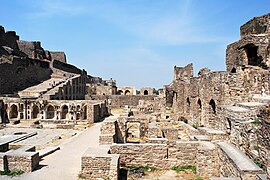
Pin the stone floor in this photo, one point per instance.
(44, 137)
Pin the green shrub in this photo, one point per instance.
(81, 176)
(183, 119)
(184, 168)
(195, 126)
(256, 121)
(12, 173)
(144, 168)
(198, 178)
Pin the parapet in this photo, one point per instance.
(60, 56)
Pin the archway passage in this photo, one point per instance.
(213, 105)
(252, 55)
(127, 92)
(120, 92)
(50, 112)
(145, 92)
(233, 70)
(199, 104)
(78, 116)
(13, 112)
(188, 102)
(35, 111)
(64, 112)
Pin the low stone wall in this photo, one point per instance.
(152, 155)
(170, 133)
(26, 162)
(65, 126)
(121, 100)
(164, 156)
(207, 160)
(96, 112)
(108, 131)
(100, 166)
(106, 139)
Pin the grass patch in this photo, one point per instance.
(12, 173)
(81, 176)
(256, 121)
(198, 178)
(184, 168)
(196, 126)
(144, 168)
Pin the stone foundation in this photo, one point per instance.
(100, 166)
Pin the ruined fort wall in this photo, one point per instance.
(66, 67)
(8, 38)
(22, 73)
(121, 100)
(257, 25)
(198, 99)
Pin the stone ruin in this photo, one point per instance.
(217, 121)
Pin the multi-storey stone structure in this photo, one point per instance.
(40, 85)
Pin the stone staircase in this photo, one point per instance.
(40, 89)
(46, 89)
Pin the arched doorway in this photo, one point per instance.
(213, 105)
(85, 112)
(50, 112)
(64, 112)
(127, 92)
(13, 113)
(145, 92)
(35, 111)
(78, 116)
(120, 92)
(233, 70)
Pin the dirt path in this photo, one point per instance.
(65, 164)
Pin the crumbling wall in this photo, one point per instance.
(100, 166)
(257, 25)
(183, 72)
(60, 56)
(22, 73)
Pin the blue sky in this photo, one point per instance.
(136, 42)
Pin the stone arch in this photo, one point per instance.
(233, 70)
(13, 113)
(78, 116)
(85, 112)
(35, 111)
(127, 92)
(145, 92)
(252, 55)
(188, 102)
(199, 102)
(213, 105)
(50, 112)
(120, 92)
(78, 107)
(64, 112)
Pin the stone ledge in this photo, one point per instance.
(242, 162)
